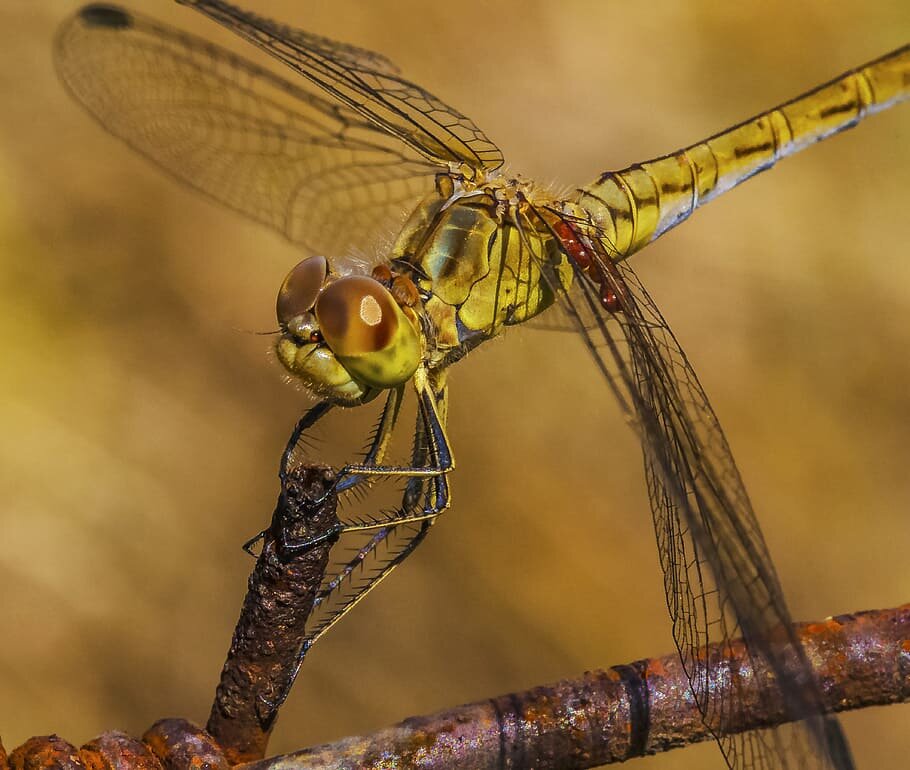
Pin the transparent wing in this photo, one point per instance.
(556, 319)
(368, 84)
(719, 580)
(309, 167)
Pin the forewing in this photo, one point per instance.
(719, 580)
(309, 167)
(368, 84)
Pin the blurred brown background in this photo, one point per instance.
(141, 423)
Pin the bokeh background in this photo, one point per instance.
(142, 422)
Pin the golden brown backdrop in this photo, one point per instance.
(141, 423)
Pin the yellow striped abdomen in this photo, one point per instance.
(637, 205)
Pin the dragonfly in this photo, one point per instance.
(335, 154)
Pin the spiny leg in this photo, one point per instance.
(340, 593)
(432, 460)
(309, 419)
(376, 451)
(382, 435)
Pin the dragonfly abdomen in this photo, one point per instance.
(635, 206)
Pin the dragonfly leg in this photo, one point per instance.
(380, 441)
(309, 419)
(340, 593)
(431, 462)
(292, 544)
(248, 545)
(378, 445)
(430, 427)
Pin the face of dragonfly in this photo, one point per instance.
(344, 337)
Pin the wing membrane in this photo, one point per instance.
(314, 170)
(719, 579)
(367, 84)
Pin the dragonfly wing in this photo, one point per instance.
(309, 167)
(368, 84)
(719, 580)
(557, 318)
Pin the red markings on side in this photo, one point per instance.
(585, 259)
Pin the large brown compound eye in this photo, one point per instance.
(367, 331)
(356, 315)
(300, 289)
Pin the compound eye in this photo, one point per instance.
(367, 331)
(356, 315)
(300, 289)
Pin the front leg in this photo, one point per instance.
(431, 462)
(309, 419)
(389, 544)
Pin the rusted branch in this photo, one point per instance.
(171, 744)
(264, 655)
(610, 716)
(45, 752)
(599, 718)
(180, 745)
(118, 751)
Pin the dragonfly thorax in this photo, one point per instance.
(482, 257)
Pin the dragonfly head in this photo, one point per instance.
(344, 337)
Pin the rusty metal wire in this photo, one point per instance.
(598, 718)
(265, 650)
(171, 744)
(609, 716)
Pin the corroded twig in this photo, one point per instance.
(119, 751)
(170, 744)
(265, 651)
(610, 716)
(46, 752)
(601, 717)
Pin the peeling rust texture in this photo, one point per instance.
(171, 744)
(45, 751)
(860, 660)
(181, 745)
(265, 651)
(118, 751)
(601, 717)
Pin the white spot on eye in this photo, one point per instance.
(370, 311)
